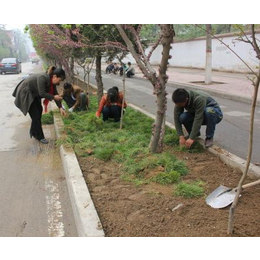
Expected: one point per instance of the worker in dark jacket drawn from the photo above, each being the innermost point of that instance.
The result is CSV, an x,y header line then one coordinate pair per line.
x,y
29,92
75,97
193,109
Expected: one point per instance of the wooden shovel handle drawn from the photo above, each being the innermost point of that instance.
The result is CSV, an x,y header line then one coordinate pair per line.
x,y
251,184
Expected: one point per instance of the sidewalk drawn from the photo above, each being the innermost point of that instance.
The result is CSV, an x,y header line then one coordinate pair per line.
x,y
235,84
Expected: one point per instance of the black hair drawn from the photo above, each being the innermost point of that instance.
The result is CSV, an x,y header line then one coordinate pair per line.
x,y
116,88
67,86
112,95
129,63
180,95
59,72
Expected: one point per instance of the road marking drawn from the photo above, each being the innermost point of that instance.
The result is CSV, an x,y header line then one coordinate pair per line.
x,y
54,213
237,113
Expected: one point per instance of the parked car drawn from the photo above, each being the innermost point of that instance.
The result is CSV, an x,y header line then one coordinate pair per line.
x,y
35,60
10,65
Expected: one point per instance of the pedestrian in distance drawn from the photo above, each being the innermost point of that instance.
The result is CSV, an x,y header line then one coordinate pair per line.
x,y
75,97
116,68
194,109
29,92
122,69
110,67
111,105
130,71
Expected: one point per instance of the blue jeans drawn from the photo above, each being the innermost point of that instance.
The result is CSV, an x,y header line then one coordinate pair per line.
x,y
112,112
212,116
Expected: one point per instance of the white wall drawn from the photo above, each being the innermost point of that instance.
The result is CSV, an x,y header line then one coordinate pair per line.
x,y
192,54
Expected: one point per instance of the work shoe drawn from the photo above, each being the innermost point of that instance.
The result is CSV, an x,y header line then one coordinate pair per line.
x,y
44,141
208,142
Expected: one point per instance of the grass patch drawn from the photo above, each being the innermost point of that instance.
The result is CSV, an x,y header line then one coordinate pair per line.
x,y
136,181
189,190
90,136
47,119
165,178
103,153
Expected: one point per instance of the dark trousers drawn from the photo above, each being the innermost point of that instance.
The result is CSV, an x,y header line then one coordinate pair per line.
x,y
71,102
112,112
121,71
129,74
35,113
212,116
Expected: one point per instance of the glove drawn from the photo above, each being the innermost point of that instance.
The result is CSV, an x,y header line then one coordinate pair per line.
x,y
71,110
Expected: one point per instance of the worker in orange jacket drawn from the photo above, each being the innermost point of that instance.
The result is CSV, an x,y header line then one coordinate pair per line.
x,y
111,105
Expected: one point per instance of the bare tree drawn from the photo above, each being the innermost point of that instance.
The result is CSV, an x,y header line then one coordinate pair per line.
x,y
86,64
123,101
98,77
253,41
158,81
255,82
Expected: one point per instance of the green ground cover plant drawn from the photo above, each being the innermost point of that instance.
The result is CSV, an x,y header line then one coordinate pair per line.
x,y
189,190
47,119
90,136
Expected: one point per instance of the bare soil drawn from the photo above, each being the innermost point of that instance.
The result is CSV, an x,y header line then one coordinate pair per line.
x,y
127,210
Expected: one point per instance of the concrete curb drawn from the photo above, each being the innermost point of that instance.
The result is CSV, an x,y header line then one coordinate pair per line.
x,y
226,157
86,218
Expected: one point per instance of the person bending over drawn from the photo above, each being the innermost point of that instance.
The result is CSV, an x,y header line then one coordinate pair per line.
x,y
193,109
111,104
75,97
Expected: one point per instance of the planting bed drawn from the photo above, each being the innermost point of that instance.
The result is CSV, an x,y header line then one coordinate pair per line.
x,y
121,176
146,210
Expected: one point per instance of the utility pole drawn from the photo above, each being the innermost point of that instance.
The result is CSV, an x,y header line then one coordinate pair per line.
x,y
208,72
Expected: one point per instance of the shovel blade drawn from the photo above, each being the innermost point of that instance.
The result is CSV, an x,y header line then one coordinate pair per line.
x,y
221,197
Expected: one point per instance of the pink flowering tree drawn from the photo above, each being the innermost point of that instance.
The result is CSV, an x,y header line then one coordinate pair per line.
x,y
55,43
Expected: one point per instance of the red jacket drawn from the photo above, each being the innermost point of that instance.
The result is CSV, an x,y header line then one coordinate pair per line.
x,y
104,103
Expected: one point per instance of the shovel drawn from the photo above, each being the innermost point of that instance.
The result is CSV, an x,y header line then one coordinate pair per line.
x,y
223,196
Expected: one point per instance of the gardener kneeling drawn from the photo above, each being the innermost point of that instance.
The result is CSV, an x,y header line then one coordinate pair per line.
x,y
200,109
111,105
75,97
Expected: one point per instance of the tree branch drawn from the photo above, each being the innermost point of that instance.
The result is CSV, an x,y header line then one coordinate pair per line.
x,y
255,45
154,47
148,72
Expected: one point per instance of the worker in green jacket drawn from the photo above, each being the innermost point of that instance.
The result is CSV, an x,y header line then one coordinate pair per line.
x,y
193,109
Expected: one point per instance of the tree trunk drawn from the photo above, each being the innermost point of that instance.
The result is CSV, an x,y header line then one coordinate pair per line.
x,y
71,65
208,76
88,91
123,102
88,87
156,143
98,77
229,26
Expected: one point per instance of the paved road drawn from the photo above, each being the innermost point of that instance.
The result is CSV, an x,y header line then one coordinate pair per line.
x,y
34,200
232,133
